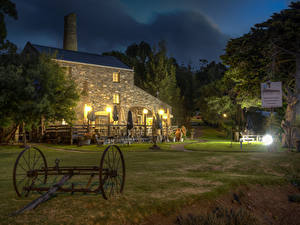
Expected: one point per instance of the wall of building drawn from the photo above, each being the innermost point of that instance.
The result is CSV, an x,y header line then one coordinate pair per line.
x,y
99,86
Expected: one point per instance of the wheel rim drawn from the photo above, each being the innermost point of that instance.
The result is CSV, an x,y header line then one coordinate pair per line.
x,y
112,172
25,170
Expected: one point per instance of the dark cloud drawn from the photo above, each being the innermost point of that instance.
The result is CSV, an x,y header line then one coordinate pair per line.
x,y
189,35
105,26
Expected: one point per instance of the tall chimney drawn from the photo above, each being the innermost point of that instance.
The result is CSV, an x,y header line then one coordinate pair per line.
x,y
70,33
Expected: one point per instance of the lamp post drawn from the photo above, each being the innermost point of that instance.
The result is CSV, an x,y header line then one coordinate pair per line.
x,y
161,112
145,112
108,110
165,117
87,109
225,116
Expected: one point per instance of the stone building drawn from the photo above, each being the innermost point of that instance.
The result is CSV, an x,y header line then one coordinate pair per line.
x,y
108,84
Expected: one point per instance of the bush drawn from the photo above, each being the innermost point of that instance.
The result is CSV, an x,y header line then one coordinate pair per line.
x,y
219,216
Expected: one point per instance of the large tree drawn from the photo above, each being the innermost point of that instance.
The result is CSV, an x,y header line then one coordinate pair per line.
x,y
32,88
6,8
270,51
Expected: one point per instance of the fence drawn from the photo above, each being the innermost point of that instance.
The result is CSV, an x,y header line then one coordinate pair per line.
x,y
69,134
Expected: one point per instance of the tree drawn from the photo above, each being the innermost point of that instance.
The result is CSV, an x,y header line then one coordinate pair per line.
x,y
32,88
209,87
155,73
8,8
270,51
186,82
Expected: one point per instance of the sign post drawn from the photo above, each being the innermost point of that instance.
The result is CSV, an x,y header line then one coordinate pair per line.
x,y
271,96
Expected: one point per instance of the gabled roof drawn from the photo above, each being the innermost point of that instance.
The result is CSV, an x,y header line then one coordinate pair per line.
x,y
80,57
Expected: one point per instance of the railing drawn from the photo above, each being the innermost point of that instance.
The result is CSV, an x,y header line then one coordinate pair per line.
x,y
67,134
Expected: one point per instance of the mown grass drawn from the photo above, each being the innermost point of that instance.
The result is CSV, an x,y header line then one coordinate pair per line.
x,y
159,181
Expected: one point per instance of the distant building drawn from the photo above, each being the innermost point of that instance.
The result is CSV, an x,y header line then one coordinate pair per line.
x,y
107,82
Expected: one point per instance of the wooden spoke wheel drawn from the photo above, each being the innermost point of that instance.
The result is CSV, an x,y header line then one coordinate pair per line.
x,y
112,172
30,169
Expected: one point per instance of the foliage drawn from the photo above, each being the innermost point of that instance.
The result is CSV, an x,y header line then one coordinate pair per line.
x,y
264,54
215,98
156,73
32,88
272,124
8,8
186,82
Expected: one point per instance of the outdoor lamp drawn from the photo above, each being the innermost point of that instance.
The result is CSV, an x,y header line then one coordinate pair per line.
x,y
108,109
87,108
161,112
224,115
267,139
165,116
145,111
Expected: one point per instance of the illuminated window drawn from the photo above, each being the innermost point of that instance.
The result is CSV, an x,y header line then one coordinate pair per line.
x,y
116,77
116,99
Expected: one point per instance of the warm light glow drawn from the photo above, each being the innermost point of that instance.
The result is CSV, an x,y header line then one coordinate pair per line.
x,y
116,98
149,121
108,109
165,116
116,77
87,108
145,111
161,112
267,139
224,115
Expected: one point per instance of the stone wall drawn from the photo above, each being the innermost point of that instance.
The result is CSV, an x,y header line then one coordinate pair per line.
x,y
99,85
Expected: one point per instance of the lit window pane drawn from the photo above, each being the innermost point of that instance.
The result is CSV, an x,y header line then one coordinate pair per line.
x,y
116,77
116,98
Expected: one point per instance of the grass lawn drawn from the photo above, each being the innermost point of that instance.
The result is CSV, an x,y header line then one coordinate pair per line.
x,y
157,181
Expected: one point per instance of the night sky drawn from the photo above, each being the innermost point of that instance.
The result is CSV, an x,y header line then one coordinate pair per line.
x,y
193,29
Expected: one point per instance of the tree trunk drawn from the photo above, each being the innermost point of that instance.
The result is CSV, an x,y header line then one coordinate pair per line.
x,y
291,123
296,125
24,134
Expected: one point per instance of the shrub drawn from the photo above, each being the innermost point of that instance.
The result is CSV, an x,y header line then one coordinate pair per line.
x,y
219,216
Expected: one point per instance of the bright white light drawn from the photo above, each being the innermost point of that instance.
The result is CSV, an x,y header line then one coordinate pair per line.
x,y
267,139
161,112
145,111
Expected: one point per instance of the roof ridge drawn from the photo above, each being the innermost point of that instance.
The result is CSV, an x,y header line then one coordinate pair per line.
x,y
83,57
73,51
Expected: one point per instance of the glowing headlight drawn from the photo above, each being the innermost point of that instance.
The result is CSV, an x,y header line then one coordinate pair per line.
x,y
267,139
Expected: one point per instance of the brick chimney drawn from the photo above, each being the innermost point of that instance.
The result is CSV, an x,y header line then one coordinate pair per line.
x,y
70,32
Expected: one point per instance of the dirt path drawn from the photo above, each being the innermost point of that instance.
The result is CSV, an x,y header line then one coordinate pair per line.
x,y
180,147
266,204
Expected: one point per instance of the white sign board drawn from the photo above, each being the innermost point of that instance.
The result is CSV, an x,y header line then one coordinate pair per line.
x,y
271,94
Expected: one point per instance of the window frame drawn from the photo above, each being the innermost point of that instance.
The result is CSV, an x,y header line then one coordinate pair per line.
x,y
117,76
116,98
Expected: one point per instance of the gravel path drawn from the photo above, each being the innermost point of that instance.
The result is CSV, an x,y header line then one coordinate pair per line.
x,y
180,147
